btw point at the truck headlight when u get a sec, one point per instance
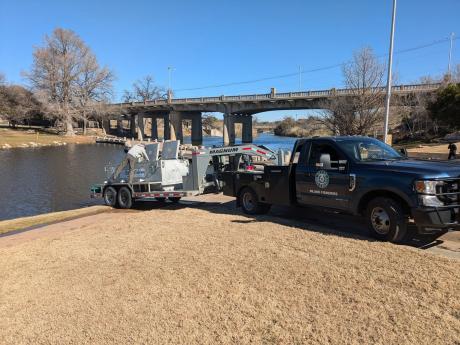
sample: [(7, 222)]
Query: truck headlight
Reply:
[(428, 191), (427, 187)]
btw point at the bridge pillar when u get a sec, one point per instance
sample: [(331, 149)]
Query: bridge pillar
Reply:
[(166, 127), (140, 126), (229, 129), (197, 129), (154, 126), (246, 136), (119, 127), (106, 126), (132, 126), (175, 125)]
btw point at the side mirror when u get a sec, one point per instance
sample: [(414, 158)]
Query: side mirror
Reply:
[(403, 151)]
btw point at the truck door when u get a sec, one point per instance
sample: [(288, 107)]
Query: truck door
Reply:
[(324, 180)]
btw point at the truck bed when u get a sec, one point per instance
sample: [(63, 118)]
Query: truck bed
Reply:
[(270, 184)]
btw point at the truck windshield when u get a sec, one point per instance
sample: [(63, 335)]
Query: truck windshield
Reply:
[(368, 149)]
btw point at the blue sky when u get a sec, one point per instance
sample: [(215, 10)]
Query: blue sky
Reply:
[(219, 42)]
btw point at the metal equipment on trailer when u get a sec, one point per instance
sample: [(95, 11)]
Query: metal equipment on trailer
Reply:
[(174, 171)]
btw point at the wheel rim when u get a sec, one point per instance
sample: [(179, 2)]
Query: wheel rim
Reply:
[(380, 221), (124, 197), (109, 197), (248, 201)]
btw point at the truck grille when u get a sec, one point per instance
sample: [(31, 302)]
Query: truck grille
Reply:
[(449, 192)]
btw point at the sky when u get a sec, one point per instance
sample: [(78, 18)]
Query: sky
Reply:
[(220, 42)]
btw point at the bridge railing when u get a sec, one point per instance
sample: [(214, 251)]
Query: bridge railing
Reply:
[(284, 95)]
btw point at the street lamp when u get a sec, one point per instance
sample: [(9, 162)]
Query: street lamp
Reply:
[(170, 70), (390, 65)]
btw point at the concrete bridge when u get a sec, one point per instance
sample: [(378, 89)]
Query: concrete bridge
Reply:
[(236, 109)]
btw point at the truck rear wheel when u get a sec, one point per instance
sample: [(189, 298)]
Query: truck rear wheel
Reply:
[(250, 202), (110, 196), (125, 199), (386, 219)]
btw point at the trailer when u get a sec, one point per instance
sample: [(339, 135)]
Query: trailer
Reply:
[(175, 171)]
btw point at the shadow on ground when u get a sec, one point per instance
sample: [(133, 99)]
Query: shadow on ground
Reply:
[(325, 222)]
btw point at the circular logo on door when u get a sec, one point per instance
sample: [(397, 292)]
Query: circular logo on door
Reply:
[(322, 179)]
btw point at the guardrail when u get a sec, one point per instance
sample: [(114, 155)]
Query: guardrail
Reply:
[(284, 95)]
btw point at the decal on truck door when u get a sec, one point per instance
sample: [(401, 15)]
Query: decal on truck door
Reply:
[(322, 179)]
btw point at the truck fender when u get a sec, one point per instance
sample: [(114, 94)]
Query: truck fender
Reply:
[(379, 190)]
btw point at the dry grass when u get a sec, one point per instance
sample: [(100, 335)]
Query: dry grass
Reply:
[(191, 277), (16, 138), (26, 222)]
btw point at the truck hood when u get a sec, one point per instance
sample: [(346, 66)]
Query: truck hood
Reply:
[(416, 167)]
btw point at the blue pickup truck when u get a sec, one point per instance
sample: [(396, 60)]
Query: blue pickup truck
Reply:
[(357, 175)]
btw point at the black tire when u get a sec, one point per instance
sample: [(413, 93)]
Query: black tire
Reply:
[(250, 202), (160, 199), (174, 199), (110, 196), (386, 220), (125, 199)]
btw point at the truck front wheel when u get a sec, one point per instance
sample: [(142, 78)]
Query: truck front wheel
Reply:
[(110, 196), (250, 203), (125, 199), (386, 219)]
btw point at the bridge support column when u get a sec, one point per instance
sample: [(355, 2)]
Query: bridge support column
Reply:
[(229, 129), (154, 126), (166, 127), (197, 129), (140, 126), (106, 126), (175, 126), (132, 126), (246, 136), (119, 127)]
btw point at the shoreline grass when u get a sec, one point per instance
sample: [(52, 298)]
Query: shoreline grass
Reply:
[(47, 218)]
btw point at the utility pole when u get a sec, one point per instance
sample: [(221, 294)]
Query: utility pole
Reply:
[(390, 65), (170, 70), (449, 71), (300, 78)]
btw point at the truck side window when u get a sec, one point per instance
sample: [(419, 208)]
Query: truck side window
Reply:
[(315, 154)]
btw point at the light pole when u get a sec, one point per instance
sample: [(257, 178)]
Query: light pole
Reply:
[(390, 65), (170, 70), (452, 35)]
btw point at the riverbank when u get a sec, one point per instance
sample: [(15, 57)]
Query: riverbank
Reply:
[(22, 223), (15, 138), (207, 274)]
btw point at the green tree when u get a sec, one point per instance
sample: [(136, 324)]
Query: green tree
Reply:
[(446, 108)]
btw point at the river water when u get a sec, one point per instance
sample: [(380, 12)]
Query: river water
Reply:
[(41, 180)]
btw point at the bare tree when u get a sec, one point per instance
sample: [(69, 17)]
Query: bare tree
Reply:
[(66, 74), (359, 112), (2, 79), (143, 90), (456, 74), (94, 87)]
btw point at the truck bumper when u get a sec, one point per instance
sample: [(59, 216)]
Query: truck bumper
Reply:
[(433, 219)]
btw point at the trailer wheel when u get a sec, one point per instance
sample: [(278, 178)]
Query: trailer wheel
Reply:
[(386, 220), (174, 199), (110, 196), (125, 199), (250, 202), (160, 199)]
